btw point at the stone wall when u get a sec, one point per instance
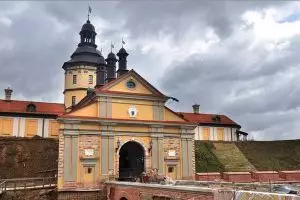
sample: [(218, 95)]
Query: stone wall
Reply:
[(148, 192), (248, 177), (82, 195)]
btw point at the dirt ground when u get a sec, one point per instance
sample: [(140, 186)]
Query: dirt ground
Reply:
[(28, 157)]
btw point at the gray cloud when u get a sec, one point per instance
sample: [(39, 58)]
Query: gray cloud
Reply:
[(256, 88)]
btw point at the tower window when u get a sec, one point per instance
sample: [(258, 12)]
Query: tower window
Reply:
[(73, 100), (74, 79), (90, 79)]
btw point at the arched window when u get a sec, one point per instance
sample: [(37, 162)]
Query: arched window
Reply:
[(31, 108)]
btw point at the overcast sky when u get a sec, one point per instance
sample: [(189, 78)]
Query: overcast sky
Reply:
[(236, 58)]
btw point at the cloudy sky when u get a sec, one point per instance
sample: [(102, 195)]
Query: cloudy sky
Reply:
[(236, 58)]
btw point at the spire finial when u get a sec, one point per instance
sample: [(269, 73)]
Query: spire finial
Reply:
[(123, 42), (111, 46), (89, 12)]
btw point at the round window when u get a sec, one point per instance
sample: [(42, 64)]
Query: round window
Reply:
[(130, 84)]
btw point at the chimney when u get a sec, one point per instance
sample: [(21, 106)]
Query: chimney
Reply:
[(100, 76), (196, 108), (8, 92)]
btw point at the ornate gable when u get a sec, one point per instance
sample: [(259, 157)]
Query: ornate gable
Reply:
[(131, 83)]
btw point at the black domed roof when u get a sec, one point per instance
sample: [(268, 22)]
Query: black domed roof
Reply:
[(122, 53), (88, 26), (111, 55), (85, 55), (122, 50), (86, 52)]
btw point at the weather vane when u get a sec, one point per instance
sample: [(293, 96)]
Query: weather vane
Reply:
[(89, 12), (123, 42), (111, 46)]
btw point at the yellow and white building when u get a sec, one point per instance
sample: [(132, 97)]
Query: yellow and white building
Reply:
[(28, 119), (214, 127), (113, 123)]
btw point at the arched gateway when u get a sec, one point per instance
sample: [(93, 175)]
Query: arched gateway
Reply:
[(131, 161)]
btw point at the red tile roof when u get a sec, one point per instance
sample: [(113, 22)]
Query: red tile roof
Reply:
[(44, 108), (208, 119)]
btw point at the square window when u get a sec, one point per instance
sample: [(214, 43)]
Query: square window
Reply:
[(170, 169)]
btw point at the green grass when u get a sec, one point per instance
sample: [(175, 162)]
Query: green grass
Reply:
[(272, 155), (231, 157), (206, 161), (247, 156)]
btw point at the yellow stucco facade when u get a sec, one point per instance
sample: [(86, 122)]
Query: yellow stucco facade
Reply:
[(77, 80), (95, 135)]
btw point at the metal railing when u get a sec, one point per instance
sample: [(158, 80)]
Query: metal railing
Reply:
[(27, 183)]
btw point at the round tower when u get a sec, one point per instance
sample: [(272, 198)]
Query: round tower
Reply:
[(80, 70)]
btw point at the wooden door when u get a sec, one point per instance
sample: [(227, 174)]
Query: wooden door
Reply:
[(172, 171), (88, 177)]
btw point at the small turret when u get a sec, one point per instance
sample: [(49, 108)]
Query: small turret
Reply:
[(122, 54), (111, 66), (101, 75)]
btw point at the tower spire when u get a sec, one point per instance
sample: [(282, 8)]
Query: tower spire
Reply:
[(111, 46), (123, 42), (89, 12)]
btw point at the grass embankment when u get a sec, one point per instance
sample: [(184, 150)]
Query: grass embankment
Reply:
[(206, 161), (272, 155), (247, 156)]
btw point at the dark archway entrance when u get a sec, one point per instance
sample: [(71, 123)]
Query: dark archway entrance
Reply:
[(131, 161)]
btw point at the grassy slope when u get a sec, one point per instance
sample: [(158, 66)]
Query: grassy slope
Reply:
[(269, 155), (206, 161), (231, 157), (263, 155)]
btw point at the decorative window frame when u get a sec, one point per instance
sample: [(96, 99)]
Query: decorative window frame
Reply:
[(132, 111), (132, 80)]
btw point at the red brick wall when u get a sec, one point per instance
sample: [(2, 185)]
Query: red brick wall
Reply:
[(258, 176), (266, 176), (83, 195), (290, 175), (237, 176), (116, 192), (208, 176)]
